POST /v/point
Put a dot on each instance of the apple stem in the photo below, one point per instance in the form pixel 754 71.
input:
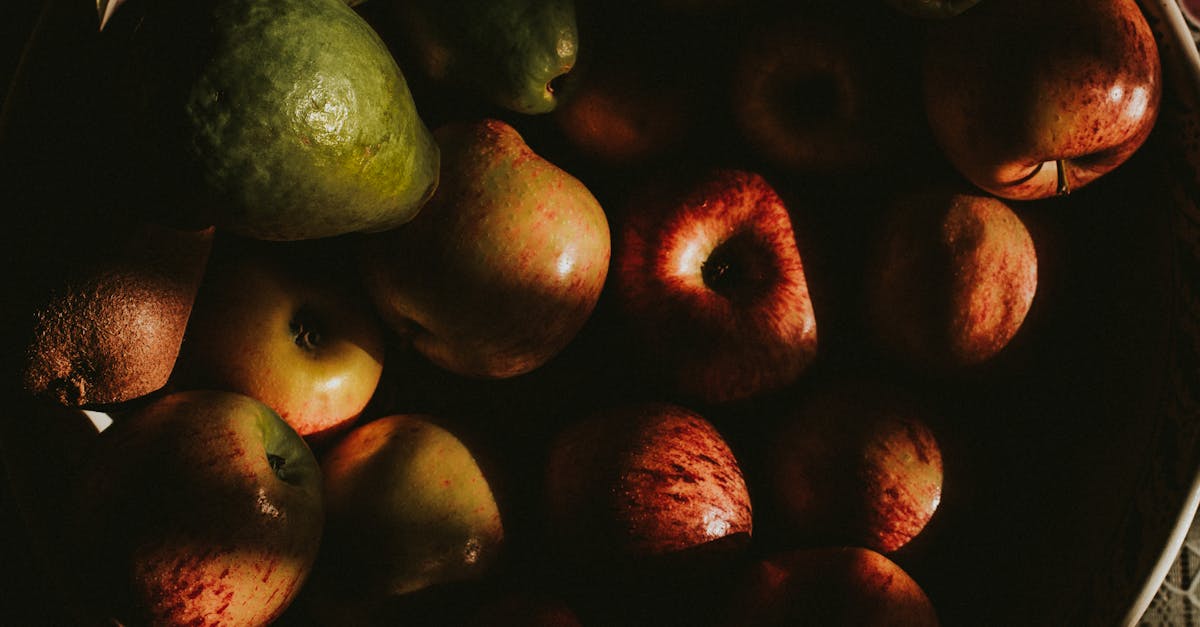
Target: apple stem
pixel 1064 185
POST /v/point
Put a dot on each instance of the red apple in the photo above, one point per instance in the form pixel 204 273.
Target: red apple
pixel 639 485
pixel 523 609
pixel 1030 98
pixel 856 463
pixel 952 278
pixel 200 508
pixel 831 587
pixel 710 279
pixel 277 324
pixel 501 269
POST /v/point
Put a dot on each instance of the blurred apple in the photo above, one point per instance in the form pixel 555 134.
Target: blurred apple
pixel 1029 99
pixel 952 278
pixel 710 280
pixel 814 95
pixel 502 268
pixel 856 463
pixel 641 485
pixel 408 508
pixel 200 508
pixel 277 323
pixel 831 587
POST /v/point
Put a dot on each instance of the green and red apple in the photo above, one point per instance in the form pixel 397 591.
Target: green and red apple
pixel 276 323
pixel 710 280
pixel 1030 99
pixel 502 268
pixel 199 508
pixel 409 508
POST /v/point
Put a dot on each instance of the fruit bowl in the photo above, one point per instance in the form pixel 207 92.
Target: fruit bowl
pixel 1071 458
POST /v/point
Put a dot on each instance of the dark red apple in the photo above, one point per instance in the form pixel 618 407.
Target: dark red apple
pixel 639 485
pixel 813 94
pixel 711 281
pixel 831 587
pixel 856 463
pixel 1030 98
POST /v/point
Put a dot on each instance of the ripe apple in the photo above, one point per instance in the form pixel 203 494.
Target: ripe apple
pixel 501 269
pixel 856 463
pixel 813 95
pixel 710 279
pixel 832 587
pixel 199 508
pixel 952 279
pixel 1029 99
pixel 642 485
pixel 274 322
pixel 408 509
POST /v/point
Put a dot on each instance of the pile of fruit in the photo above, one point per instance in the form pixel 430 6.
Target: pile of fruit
pixel 528 312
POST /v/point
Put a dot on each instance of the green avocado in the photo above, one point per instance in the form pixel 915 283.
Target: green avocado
pixel 507 51
pixel 274 119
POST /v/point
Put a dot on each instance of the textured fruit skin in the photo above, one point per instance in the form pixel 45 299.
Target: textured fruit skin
pixel 953 277
pixel 292 116
pixel 502 268
pixel 408 508
pixel 644 482
pixel 1012 86
pixel 755 335
pixel 201 526
pixel 830 586
pixel 855 464
pixel 507 51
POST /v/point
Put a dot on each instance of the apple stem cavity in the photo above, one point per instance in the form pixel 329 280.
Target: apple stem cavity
pixel 736 268
pixel 276 463
pixel 1064 184
pixel 305 335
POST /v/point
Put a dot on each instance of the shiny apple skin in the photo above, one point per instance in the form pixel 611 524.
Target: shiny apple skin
pixel 636 484
pixel 952 280
pixel 298 338
pixel 755 334
pixel 856 463
pixel 1012 87
pixel 409 508
pixel 503 266
pixel 202 508
pixel 830 586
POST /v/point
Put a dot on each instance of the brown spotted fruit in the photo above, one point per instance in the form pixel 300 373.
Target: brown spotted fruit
pixel 645 484
pixel 856 463
pixel 952 278
pixel 829 586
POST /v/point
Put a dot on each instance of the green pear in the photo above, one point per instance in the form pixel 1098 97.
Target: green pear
pixel 408 508
pixel 510 52
pixel 274 119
